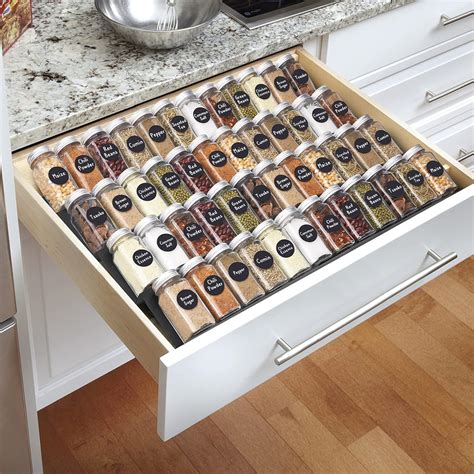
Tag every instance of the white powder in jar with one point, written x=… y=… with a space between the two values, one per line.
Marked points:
x=198 y=117
x=260 y=95
x=317 y=117
x=145 y=196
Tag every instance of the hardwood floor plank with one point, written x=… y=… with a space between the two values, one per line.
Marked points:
x=417 y=305
x=463 y=273
x=464 y=443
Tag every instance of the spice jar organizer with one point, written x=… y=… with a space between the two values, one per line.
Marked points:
x=260 y=341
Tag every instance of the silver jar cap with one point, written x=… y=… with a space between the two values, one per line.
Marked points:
x=412 y=151
x=164 y=278
x=240 y=238
x=302 y=147
x=190 y=264
x=197 y=141
x=224 y=81
x=347 y=127
x=150 y=163
x=361 y=121
x=324 y=137
x=89 y=133
x=308 y=203
x=329 y=192
x=393 y=161
x=240 y=125
x=281 y=107
x=174 y=153
x=264 y=66
x=262 y=166
x=101 y=185
x=240 y=176
x=220 y=131
x=116 y=123
x=65 y=142
x=144 y=224
x=262 y=227
x=139 y=114
x=216 y=251
x=216 y=188
x=127 y=173
x=285 y=215
x=282 y=156
x=75 y=196
x=319 y=92
x=371 y=171
x=170 y=210
x=196 y=197
x=160 y=105
x=301 y=100
x=245 y=73
x=351 y=181
x=261 y=116
x=38 y=152
x=205 y=88
x=283 y=59
x=116 y=236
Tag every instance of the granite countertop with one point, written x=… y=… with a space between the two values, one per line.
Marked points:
x=71 y=69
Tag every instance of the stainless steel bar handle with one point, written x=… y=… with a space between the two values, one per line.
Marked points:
x=291 y=352
x=464 y=154
x=446 y=20
x=431 y=96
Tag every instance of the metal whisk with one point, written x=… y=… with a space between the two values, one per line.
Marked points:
x=169 y=21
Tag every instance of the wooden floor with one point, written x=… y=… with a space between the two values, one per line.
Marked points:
x=395 y=395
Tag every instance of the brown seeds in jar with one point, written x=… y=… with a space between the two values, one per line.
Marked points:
x=296 y=75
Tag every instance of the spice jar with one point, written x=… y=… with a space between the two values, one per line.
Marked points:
x=181 y=305
x=277 y=82
x=379 y=138
x=322 y=167
x=235 y=273
x=80 y=164
x=234 y=148
x=304 y=235
x=301 y=175
x=391 y=189
x=153 y=132
x=330 y=228
x=359 y=146
x=174 y=123
x=279 y=182
x=433 y=171
x=345 y=162
x=348 y=212
x=129 y=142
x=317 y=116
x=214 y=101
x=166 y=180
x=278 y=133
x=185 y=228
x=256 y=194
x=412 y=179
x=210 y=286
x=51 y=177
x=370 y=201
x=211 y=218
x=116 y=202
x=257 y=89
x=261 y=263
x=299 y=79
x=163 y=245
x=236 y=209
x=135 y=263
x=238 y=99
x=334 y=105
x=189 y=170
x=89 y=219
x=105 y=153
x=295 y=122
x=283 y=249
x=212 y=159
x=142 y=193
x=259 y=143
x=196 y=113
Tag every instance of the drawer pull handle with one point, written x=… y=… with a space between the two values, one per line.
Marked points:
x=464 y=154
x=431 y=96
x=291 y=352
x=447 y=20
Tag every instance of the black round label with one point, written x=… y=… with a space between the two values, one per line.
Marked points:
x=84 y=164
x=351 y=210
x=223 y=109
x=242 y=99
x=171 y=180
x=263 y=259
x=96 y=215
x=415 y=178
x=214 y=285
x=217 y=159
x=261 y=193
x=142 y=258
x=201 y=115
x=261 y=141
x=383 y=137
x=362 y=145
x=239 y=150
x=281 y=83
x=179 y=123
x=58 y=175
x=214 y=216
x=238 y=205
x=331 y=223
x=187 y=299
x=166 y=242
x=280 y=132
x=394 y=189
x=122 y=203
x=146 y=192
x=238 y=271
x=373 y=199
x=157 y=133
x=193 y=231
x=324 y=165
x=285 y=248
x=282 y=182
x=300 y=76
x=343 y=154
x=262 y=91
x=193 y=169
x=109 y=152
x=308 y=233
x=299 y=123
x=135 y=144
x=435 y=168
x=303 y=173
x=320 y=115
x=339 y=107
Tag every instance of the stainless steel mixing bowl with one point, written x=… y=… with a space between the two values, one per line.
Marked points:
x=136 y=20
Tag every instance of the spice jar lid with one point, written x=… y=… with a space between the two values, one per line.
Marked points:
x=393 y=161
x=160 y=105
x=329 y=192
x=129 y=172
x=343 y=129
x=116 y=123
x=205 y=88
x=224 y=81
x=101 y=185
x=170 y=210
x=371 y=171
x=319 y=92
x=412 y=151
x=245 y=73
x=144 y=224
x=190 y=264
x=308 y=203
x=302 y=147
x=351 y=181
x=216 y=188
x=261 y=116
x=240 y=176
x=197 y=141
x=285 y=215
x=74 y=197
x=65 y=142
x=240 y=238
x=196 y=197
x=262 y=227
x=164 y=278
x=262 y=166
x=220 y=131
x=264 y=66
x=283 y=59
x=183 y=97
x=38 y=152
x=150 y=163
x=116 y=236
x=88 y=134
x=139 y=114
x=281 y=107
x=174 y=153
x=324 y=137
x=301 y=101
x=216 y=251
x=282 y=157
x=240 y=125
x=361 y=121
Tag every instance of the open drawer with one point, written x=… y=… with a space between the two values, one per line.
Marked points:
x=225 y=362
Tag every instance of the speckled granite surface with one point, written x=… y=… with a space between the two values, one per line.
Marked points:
x=71 y=69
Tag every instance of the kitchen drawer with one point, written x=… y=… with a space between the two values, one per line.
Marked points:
x=225 y=362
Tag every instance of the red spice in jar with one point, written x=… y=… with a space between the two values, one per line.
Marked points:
x=214 y=100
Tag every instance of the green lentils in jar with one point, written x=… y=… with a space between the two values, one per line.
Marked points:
x=238 y=99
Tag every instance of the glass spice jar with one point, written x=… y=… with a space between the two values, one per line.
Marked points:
x=379 y=138
x=211 y=218
x=235 y=208
x=321 y=166
x=259 y=143
x=261 y=263
x=164 y=246
x=412 y=179
x=318 y=118
x=89 y=219
x=52 y=179
x=304 y=235
x=189 y=170
x=105 y=153
x=375 y=209
x=117 y=203
x=392 y=190
x=295 y=122
x=80 y=164
x=345 y=162
x=334 y=105
x=280 y=184
x=210 y=286
x=129 y=142
x=166 y=180
x=215 y=102
x=234 y=148
x=256 y=194
x=277 y=82
x=142 y=193
x=299 y=79
x=433 y=171
x=185 y=228
x=278 y=133
x=330 y=228
x=181 y=305
x=348 y=212
x=174 y=123
x=301 y=175
x=238 y=99
x=235 y=273
x=255 y=86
